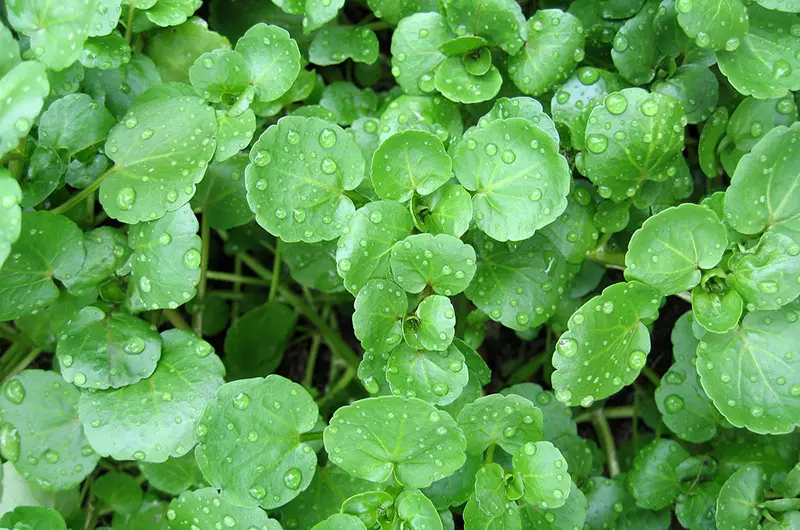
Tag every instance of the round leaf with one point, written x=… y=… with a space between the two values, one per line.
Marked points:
x=498 y=21
x=381 y=224
x=393 y=12
x=571 y=515
x=416 y=511
x=433 y=114
x=542 y=472
x=635 y=50
x=509 y=421
x=336 y=44
x=553 y=50
x=751 y=373
x=474 y=517
x=447 y=210
x=415 y=51
x=51 y=452
x=98 y=350
x=255 y=342
x=340 y=521
x=234 y=133
x=573 y=233
x=272 y=59
x=606 y=345
x=435 y=377
x=378 y=318
x=432 y=326
x=670 y=248
x=206 y=508
x=717 y=312
x=753 y=118
x=22 y=91
x=522 y=107
x=766 y=276
x=166 y=261
x=557 y=416
x=299 y=171
x=157 y=161
x=370 y=439
x=634 y=136
x=155 y=418
x=270 y=465
x=74 y=123
x=408 y=162
x=222 y=194
x=652 y=480
x=739 y=499
x=10 y=213
x=520 y=180
x=714 y=24
x=457 y=84
x=697 y=89
x=106 y=52
x=50 y=246
x=442 y=262
x=106 y=252
x=219 y=74
x=119 y=491
x=23 y=517
x=173 y=476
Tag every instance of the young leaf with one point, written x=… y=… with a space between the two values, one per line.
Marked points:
x=206 y=508
x=272 y=59
x=766 y=276
x=336 y=44
x=33 y=517
x=500 y=22
x=165 y=265
x=490 y=489
x=106 y=52
x=458 y=487
x=542 y=472
x=457 y=83
x=271 y=465
x=520 y=179
x=49 y=247
x=606 y=345
x=10 y=213
x=173 y=476
x=415 y=510
x=442 y=262
x=739 y=498
x=119 y=491
x=383 y=448
x=340 y=521
x=318 y=162
x=415 y=51
x=552 y=51
x=697 y=509
x=710 y=138
x=750 y=373
x=347 y=102
x=155 y=418
x=447 y=210
x=157 y=162
x=219 y=74
x=378 y=318
x=635 y=50
x=670 y=248
x=604 y=499
x=509 y=421
x=10 y=57
x=435 y=377
x=22 y=90
x=99 y=350
x=573 y=233
x=652 y=480
x=46 y=443
x=371 y=507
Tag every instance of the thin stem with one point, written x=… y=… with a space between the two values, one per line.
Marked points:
x=331 y=336
x=310 y=436
x=235 y=278
x=22 y=364
x=606 y=440
x=489 y=458
x=176 y=319
x=276 y=275
x=612 y=413
x=612 y=260
x=651 y=376
x=308 y=378
x=205 y=237
x=79 y=197
x=129 y=26
x=377 y=26
x=237 y=288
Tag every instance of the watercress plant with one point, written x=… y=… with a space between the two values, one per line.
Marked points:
x=423 y=265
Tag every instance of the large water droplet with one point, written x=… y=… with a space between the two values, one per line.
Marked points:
x=14 y=391
x=134 y=346
x=673 y=403
x=125 y=198
x=241 y=401
x=293 y=478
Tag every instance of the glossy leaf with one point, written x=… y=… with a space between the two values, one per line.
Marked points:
x=695 y=87
x=737 y=504
x=26 y=85
x=336 y=44
x=447 y=210
x=714 y=24
x=207 y=508
x=415 y=51
x=173 y=476
x=10 y=213
x=219 y=74
x=410 y=162
x=378 y=319
x=74 y=123
x=509 y=421
x=766 y=276
x=222 y=194
x=435 y=377
x=458 y=84
x=272 y=59
x=635 y=50
x=542 y=472
x=500 y=22
x=442 y=262
x=652 y=480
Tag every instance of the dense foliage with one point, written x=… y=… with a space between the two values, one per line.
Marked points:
x=399 y=264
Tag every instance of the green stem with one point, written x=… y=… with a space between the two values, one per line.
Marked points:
x=237 y=288
x=276 y=275
x=205 y=238
x=310 y=436
x=129 y=26
x=606 y=440
x=489 y=458
x=176 y=319
x=22 y=363
x=308 y=378
x=331 y=336
x=236 y=278
x=651 y=376
x=377 y=26
x=612 y=260
x=611 y=413
x=79 y=197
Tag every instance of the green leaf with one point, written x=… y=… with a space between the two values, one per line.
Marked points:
x=318 y=13
x=614 y=9
x=443 y=262
x=340 y=521
x=773 y=210
x=670 y=248
x=552 y=51
x=56 y=32
x=447 y=210
x=695 y=87
x=24 y=517
x=509 y=421
x=174 y=50
x=410 y=162
x=417 y=512
x=652 y=480
x=255 y=342
x=766 y=275
x=370 y=506
x=518 y=284
x=105 y=18
x=457 y=84
x=172 y=12
x=99 y=350
x=521 y=107
x=348 y=102
x=219 y=74
x=684 y=406
x=42 y=176
x=435 y=377
x=714 y=24
x=737 y=504
x=381 y=224
x=393 y=12
x=604 y=499
x=458 y=487
x=753 y=118
x=50 y=450
x=206 y=508
x=477 y=519
x=500 y=22
x=573 y=233
x=10 y=213
x=26 y=86
x=318 y=161
x=74 y=123
x=748 y=374
x=697 y=509
x=234 y=133
x=157 y=162
x=272 y=59
x=635 y=136
x=383 y=448
x=710 y=138
x=151 y=515
x=268 y=415
x=542 y=472
x=557 y=417
x=433 y=114
x=571 y=515
x=635 y=49
x=105 y=86
x=222 y=194
x=764 y=65
x=106 y=52
x=378 y=319
x=415 y=51
x=119 y=491
x=166 y=260
x=49 y=247
x=155 y=418
x=581 y=92
x=313 y=265
x=606 y=345
x=336 y=44
x=10 y=57
x=520 y=180
x=173 y=476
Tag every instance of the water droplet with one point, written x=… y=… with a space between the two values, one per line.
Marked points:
x=567 y=347
x=781 y=69
x=508 y=156
x=14 y=391
x=191 y=259
x=202 y=349
x=768 y=287
x=79 y=379
x=328 y=166
x=125 y=198
x=327 y=138
x=22 y=125
x=293 y=137
x=620 y=43
x=229 y=521
x=637 y=360
x=257 y=492
x=345 y=265
x=508 y=432
x=616 y=103
x=262 y=158
x=375 y=217
x=596 y=143
x=673 y=403
x=51 y=456
x=649 y=107
x=241 y=401
x=293 y=478
x=134 y=346
x=147 y=134
x=440 y=389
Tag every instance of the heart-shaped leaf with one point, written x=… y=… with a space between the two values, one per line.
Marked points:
x=272 y=59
